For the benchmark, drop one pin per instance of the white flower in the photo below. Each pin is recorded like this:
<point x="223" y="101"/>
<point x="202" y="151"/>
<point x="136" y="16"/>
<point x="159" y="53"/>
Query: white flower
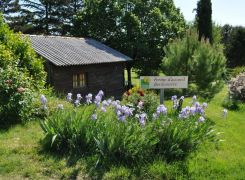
<point x="60" y="106"/>
<point x="79" y="97"/>
<point x="225" y="112"/>
<point x="205" y="105"/>
<point x="69" y="97"/>
<point x="201" y="119"/>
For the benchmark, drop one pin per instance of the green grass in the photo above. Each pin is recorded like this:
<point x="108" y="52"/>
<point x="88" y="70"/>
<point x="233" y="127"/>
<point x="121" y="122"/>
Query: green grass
<point x="134" y="78"/>
<point x="21" y="155"/>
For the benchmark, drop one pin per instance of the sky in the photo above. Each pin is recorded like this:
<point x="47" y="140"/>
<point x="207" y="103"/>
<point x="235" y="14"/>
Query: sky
<point x="224" y="11"/>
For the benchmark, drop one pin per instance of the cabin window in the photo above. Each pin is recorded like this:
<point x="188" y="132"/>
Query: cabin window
<point x="79" y="80"/>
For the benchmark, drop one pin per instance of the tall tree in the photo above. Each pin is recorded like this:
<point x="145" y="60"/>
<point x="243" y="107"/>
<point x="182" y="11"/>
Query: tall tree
<point x="50" y="16"/>
<point x="203" y="63"/>
<point x="204" y="19"/>
<point x="234" y="41"/>
<point x="8" y="8"/>
<point x="43" y="14"/>
<point x="138" y="28"/>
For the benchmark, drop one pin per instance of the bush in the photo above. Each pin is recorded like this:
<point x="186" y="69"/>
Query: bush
<point x="230" y="103"/>
<point x="234" y="41"/>
<point x="237" y="87"/>
<point x="16" y="96"/>
<point x="118" y="133"/>
<point x="202" y="62"/>
<point x="18" y="51"/>
<point x="135" y="96"/>
<point x="236" y="71"/>
<point x="22" y="74"/>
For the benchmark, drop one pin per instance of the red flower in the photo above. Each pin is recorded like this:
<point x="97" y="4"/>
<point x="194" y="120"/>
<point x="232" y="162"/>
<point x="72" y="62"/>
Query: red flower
<point x="140" y="92"/>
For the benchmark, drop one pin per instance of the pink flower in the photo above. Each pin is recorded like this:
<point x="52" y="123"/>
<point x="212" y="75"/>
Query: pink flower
<point x="9" y="81"/>
<point x="20" y="90"/>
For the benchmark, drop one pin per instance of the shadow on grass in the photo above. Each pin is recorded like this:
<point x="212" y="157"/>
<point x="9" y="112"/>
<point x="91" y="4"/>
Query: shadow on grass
<point x="6" y="125"/>
<point x="97" y="167"/>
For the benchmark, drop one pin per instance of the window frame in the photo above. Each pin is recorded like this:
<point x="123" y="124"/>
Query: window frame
<point x="79" y="80"/>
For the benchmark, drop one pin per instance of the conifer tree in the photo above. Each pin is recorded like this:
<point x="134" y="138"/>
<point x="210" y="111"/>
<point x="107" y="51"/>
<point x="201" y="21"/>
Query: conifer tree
<point x="8" y="8"/>
<point x="204" y="19"/>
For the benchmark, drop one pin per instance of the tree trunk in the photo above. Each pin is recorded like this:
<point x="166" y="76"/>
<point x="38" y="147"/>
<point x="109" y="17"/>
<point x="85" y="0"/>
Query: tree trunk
<point x="128" y="67"/>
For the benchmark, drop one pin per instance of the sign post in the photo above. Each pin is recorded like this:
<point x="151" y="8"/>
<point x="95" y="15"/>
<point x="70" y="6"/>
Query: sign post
<point x="161" y="96"/>
<point x="163" y="82"/>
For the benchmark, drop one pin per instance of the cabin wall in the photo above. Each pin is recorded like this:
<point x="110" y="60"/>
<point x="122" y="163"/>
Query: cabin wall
<point x="108" y="77"/>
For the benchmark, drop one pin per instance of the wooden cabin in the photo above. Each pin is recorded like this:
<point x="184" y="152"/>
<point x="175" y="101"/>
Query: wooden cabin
<point x="81" y="65"/>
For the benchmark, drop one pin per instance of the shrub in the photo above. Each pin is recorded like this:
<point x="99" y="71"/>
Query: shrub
<point x="236" y="71"/>
<point x="20" y="53"/>
<point x="234" y="41"/>
<point x="230" y="103"/>
<point x="16" y="96"/>
<point x="69" y="130"/>
<point x="22" y="74"/>
<point x="237" y="87"/>
<point x="137" y="97"/>
<point x="118" y="133"/>
<point x="202" y="62"/>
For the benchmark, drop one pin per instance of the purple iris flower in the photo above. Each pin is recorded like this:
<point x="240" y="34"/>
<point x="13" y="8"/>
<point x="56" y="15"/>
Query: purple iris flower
<point x="105" y="103"/>
<point x="142" y="118"/>
<point x="44" y="102"/>
<point x="122" y="118"/>
<point x="94" y="117"/>
<point x="79" y="97"/>
<point x="101" y="93"/>
<point x="76" y="103"/>
<point x="97" y="100"/>
<point x="89" y="98"/>
<point x="174" y="98"/>
<point x="184" y="113"/>
<point x="69" y="97"/>
<point x="103" y="109"/>
<point x="161" y="109"/>
<point x="193" y="110"/>
<point x="201" y="119"/>
<point x="204" y="105"/>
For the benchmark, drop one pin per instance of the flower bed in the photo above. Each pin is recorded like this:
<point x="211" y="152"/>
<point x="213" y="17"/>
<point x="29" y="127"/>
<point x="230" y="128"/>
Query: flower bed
<point x="118" y="132"/>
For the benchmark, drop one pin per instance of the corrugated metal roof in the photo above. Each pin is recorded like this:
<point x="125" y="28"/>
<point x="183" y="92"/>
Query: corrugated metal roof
<point x="66" y="51"/>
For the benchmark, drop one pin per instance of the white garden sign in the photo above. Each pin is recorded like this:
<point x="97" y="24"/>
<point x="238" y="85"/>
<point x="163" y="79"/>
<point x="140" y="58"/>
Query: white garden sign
<point x="163" y="82"/>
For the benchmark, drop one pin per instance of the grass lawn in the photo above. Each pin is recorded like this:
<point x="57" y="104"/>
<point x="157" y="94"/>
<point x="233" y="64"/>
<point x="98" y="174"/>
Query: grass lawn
<point x="21" y="155"/>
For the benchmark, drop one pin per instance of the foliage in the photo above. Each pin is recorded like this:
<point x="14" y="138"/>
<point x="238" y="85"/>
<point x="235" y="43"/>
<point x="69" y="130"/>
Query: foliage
<point x="233" y="72"/>
<point x="204" y="20"/>
<point x="234" y="42"/>
<point x="22" y="74"/>
<point x="41" y="16"/>
<point x="136" y="95"/>
<point x="203" y="63"/>
<point x="23" y="158"/>
<point x="139" y="29"/>
<point x="8" y="8"/>
<point x="230" y="103"/>
<point x="121" y="134"/>
<point x="16" y="96"/>
<point x="237" y="87"/>
<point x="16" y="50"/>
<point x="180" y="138"/>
